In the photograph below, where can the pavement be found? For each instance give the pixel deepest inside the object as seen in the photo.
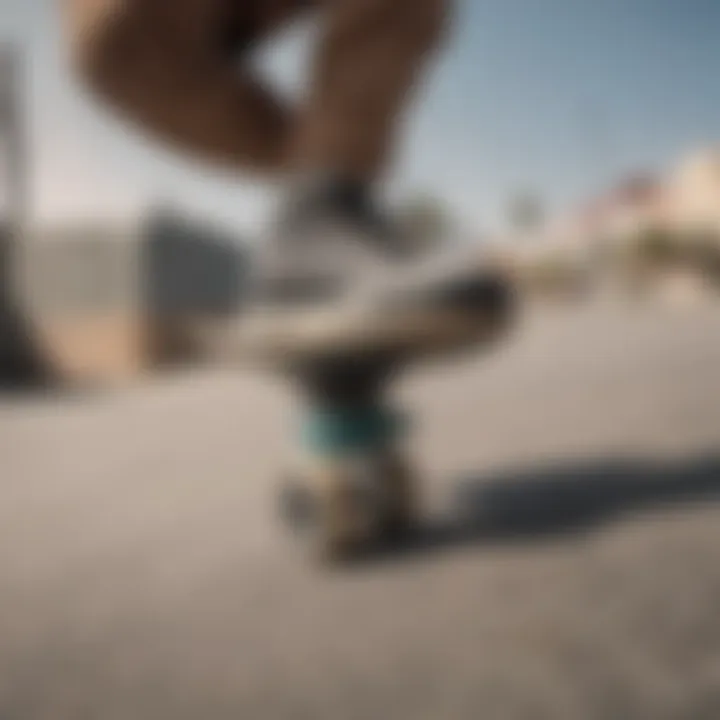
(568, 567)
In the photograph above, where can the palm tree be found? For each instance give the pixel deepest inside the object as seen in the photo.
(20, 363)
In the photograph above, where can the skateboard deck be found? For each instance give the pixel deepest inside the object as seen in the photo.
(468, 314)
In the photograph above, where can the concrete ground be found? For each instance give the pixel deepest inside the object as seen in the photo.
(142, 575)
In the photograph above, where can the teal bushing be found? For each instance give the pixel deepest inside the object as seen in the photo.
(350, 430)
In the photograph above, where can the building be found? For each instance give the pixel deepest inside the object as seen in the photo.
(685, 202)
(694, 188)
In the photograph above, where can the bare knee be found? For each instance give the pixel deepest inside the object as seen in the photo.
(426, 22)
(133, 57)
(95, 31)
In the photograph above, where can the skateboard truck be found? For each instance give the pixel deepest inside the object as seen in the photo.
(353, 489)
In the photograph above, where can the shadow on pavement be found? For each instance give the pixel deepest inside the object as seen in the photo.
(561, 500)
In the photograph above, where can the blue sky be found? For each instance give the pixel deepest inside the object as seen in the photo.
(561, 96)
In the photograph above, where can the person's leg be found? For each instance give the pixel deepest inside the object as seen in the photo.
(371, 55)
(171, 66)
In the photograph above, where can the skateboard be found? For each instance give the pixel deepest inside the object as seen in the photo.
(352, 488)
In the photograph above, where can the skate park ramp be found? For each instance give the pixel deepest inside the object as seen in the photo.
(21, 363)
(109, 303)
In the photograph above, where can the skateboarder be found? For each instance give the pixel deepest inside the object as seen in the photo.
(335, 300)
(180, 69)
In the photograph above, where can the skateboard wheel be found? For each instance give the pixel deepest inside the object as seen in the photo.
(343, 508)
(399, 497)
(333, 508)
